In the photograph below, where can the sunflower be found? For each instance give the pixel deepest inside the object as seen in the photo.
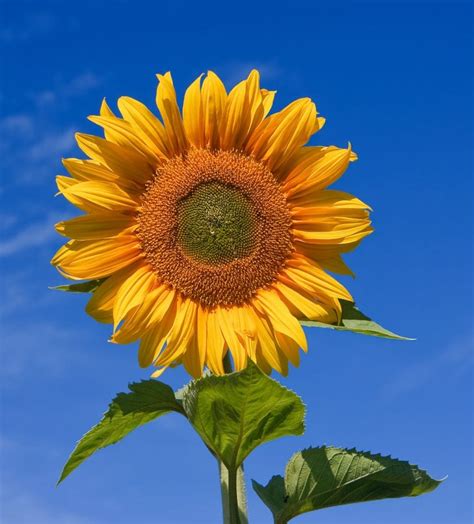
(210, 230)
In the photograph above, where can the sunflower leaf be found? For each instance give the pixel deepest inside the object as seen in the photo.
(83, 287)
(235, 413)
(146, 401)
(322, 477)
(354, 320)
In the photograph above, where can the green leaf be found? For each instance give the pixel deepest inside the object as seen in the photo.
(354, 320)
(147, 401)
(317, 478)
(235, 413)
(83, 287)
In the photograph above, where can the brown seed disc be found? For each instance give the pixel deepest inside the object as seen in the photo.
(215, 225)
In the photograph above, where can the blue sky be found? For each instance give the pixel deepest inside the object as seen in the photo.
(393, 78)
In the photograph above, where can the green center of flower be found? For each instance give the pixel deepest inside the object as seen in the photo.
(216, 224)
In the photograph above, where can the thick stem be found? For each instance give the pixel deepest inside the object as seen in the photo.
(234, 497)
(233, 503)
(224, 478)
(234, 500)
(242, 496)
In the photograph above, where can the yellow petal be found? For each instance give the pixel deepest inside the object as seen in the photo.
(244, 112)
(211, 341)
(181, 332)
(153, 341)
(307, 307)
(278, 137)
(99, 196)
(120, 132)
(201, 337)
(317, 170)
(192, 359)
(337, 265)
(246, 330)
(331, 217)
(89, 259)
(124, 161)
(267, 100)
(280, 317)
(133, 292)
(333, 263)
(100, 306)
(335, 236)
(214, 98)
(146, 125)
(156, 305)
(267, 347)
(90, 170)
(289, 348)
(229, 323)
(312, 278)
(65, 182)
(96, 226)
(105, 109)
(168, 106)
(192, 114)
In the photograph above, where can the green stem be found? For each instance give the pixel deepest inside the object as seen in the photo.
(234, 498)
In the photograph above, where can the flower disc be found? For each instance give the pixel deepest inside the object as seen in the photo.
(215, 225)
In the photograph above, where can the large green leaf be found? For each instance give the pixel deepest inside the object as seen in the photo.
(235, 413)
(147, 401)
(318, 478)
(83, 287)
(354, 320)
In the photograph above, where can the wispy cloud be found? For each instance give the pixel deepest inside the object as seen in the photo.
(30, 147)
(62, 90)
(33, 235)
(31, 26)
(31, 142)
(51, 145)
(456, 359)
(17, 124)
(234, 72)
(25, 508)
(45, 349)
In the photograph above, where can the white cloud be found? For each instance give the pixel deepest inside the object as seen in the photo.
(43, 349)
(7, 220)
(453, 361)
(19, 123)
(31, 147)
(31, 236)
(24, 508)
(31, 26)
(31, 143)
(63, 90)
(236, 71)
(52, 145)
(44, 98)
(81, 84)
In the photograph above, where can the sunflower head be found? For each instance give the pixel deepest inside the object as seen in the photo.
(212, 228)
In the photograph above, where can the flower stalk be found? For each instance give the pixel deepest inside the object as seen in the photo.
(233, 492)
(233, 495)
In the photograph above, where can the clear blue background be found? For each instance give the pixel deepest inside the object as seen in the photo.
(393, 78)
